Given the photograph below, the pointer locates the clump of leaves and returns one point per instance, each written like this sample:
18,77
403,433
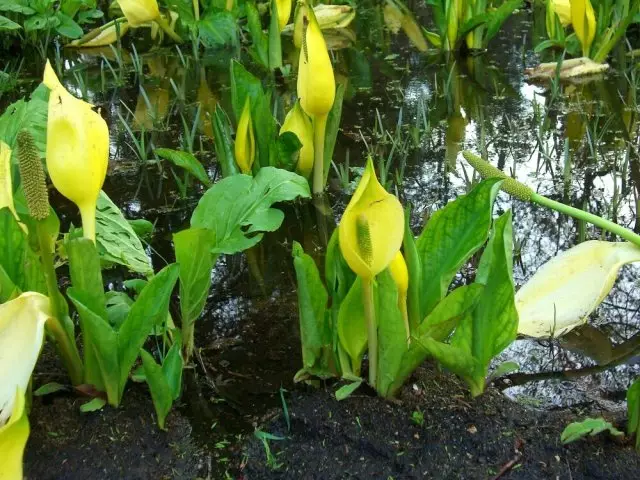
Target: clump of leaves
589,426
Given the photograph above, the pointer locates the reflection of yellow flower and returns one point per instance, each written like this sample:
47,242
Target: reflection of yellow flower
208,102
372,227
6,188
139,11
245,145
103,36
22,323
146,115
77,150
316,83
297,122
565,290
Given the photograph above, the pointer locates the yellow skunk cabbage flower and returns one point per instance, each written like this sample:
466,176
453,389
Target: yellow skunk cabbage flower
583,19
13,439
297,122
563,9
139,11
327,16
565,290
372,227
245,146
77,151
316,83
452,25
21,334
399,272
284,12
102,36
6,188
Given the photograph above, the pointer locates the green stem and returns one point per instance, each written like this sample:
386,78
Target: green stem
402,305
619,230
370,316
65,344
319,128
188,339
196,9
164,25
88,216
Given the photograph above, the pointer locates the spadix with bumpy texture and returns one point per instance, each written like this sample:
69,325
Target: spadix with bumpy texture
32,176
568,288
372,227
316,82
77,150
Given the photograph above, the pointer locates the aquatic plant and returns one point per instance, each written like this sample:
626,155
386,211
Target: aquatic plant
245,145
397,308
298,122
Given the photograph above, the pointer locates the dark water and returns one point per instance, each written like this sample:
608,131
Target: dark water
415,112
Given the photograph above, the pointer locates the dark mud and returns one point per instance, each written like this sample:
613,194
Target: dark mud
365,437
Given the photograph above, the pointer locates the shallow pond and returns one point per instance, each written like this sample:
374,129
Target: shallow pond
414,112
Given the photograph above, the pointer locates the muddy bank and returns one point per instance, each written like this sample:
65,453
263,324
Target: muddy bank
365,437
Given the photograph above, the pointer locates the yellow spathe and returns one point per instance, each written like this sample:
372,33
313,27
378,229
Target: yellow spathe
400,273
297,122
583,19
284,12
245,145
316,82
372,227
77,150
139,11
6,187
13,439
106,37
563,9
566,289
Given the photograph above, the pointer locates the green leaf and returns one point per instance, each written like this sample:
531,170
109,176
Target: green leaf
452,235
494,322
116,240
86,277
338,275
260,43
224,143
118,305
503,369
444,318
392,336
193,254
187,161
160,390
497,17
30,115
414,268
49,388
172,368
312,308
332,129
142,228
275,45
352,325
237,209
67,27
633,411
288,146
8,25
217,29
589,426
16,7
345,391
456,359
93,405
40,22
150,309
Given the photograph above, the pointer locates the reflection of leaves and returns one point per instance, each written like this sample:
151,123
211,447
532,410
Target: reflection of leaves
116,240
589,341
589,426
238,208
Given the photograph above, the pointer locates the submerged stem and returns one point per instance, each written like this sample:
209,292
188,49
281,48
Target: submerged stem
164,25
372,330
319,128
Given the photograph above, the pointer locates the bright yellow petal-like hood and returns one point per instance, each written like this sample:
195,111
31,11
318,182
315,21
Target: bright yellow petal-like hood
566,289
139,11
316,82
297,122
6,187
284,12
400,273
372,227
77,150
21,334
583,20
245,145
13,439
107,36
563,9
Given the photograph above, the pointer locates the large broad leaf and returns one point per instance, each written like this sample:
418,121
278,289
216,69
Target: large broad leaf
116,240
21,269
30,115
86,277
16,7
186,161
238,208
451,236
352,325
193,254
493,324
8,25
218,28
67,26
392,336
150,309
312,307
433,330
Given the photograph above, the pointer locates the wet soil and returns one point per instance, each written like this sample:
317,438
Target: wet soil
365,437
